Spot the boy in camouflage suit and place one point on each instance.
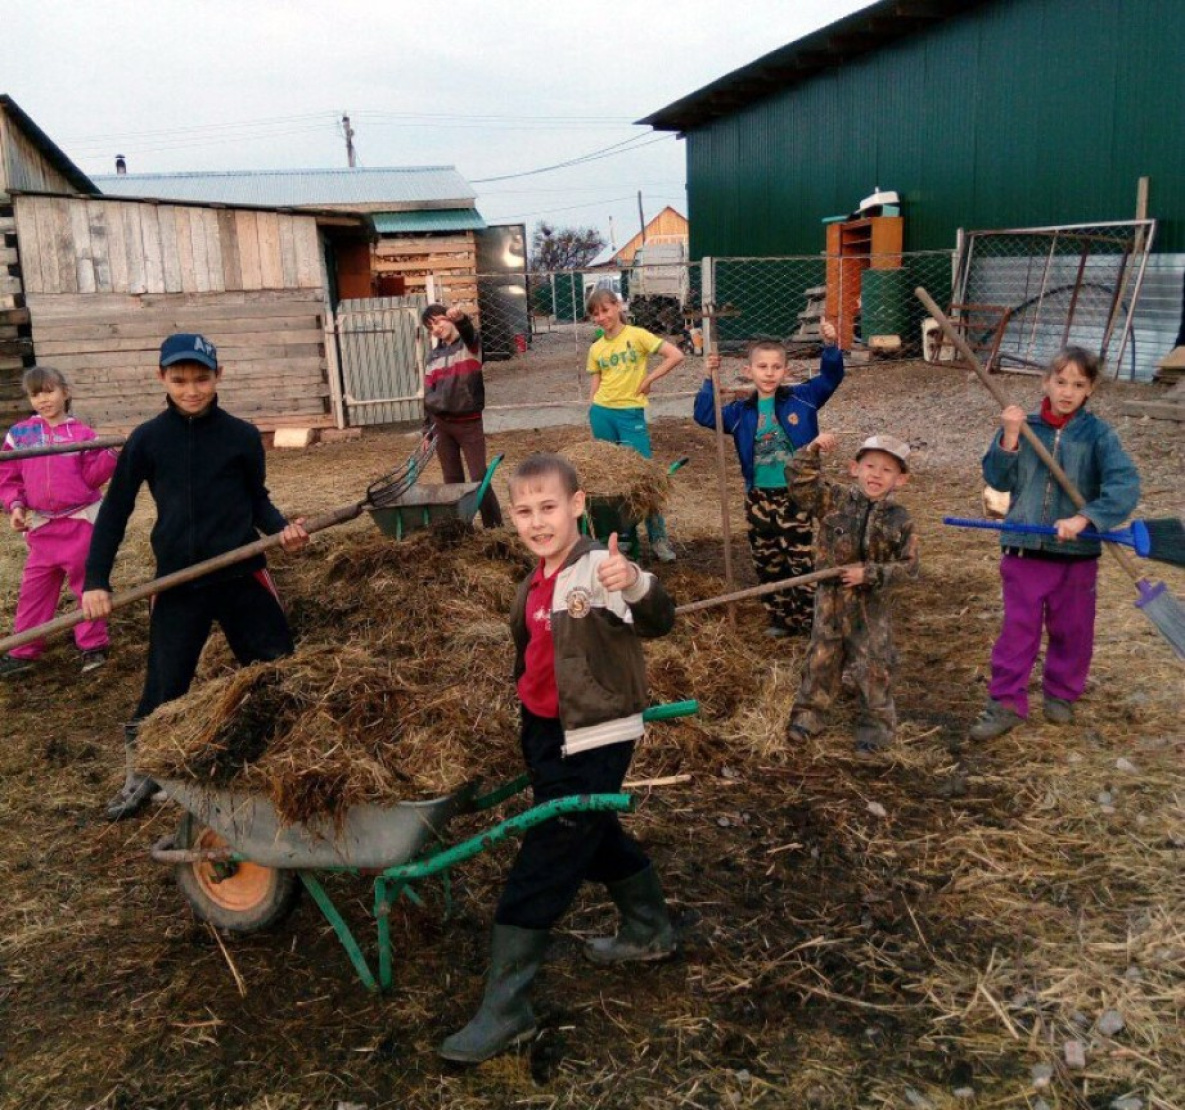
(862, 529)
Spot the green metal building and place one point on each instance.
(979, 113)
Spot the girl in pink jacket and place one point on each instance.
(53, 499)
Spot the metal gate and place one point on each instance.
(382, 359)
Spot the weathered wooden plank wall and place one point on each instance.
(106, 281)
(270, 344)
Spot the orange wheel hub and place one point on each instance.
(246, 887)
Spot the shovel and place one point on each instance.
(99, 443)
(1156, 603)
(380, 494)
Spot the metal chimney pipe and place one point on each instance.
(121, 164)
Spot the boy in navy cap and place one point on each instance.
(205, 470)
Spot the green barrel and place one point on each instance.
(884, 308)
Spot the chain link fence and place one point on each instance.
(1019, 295)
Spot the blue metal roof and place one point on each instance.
(389, 189)
(438, 219)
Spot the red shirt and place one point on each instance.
(536, 685)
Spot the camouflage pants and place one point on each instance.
(851, 630)
(780, 539)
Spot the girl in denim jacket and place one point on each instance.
(1049, 581)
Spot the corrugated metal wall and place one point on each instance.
(1021, 113)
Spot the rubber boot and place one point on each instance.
(136, 789)
(645, 932)
(505, 1017)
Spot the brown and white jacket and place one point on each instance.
(600, 671)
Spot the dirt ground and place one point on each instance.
(926, 927)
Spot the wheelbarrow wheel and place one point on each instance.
(241, 897)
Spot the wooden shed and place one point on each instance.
(105, 279)
(29, 159)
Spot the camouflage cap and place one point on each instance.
(891, 445)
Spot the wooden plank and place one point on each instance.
(308, 252)
(29, 244)
(288, 251)
(117, 248)
(47, 250)
(426, 244)
(170, 254)
(64, 244)
(96, 217)
(14, 317)
(184, 236)
(149, 324)
(9, 256)
(297, 356)
(80, 236)
(16, 348)
(1157, 410)
(228, 242)
(437, 266)
(154, 269)
(247, 231)
(208, 219)
(272, 302)
(48, 344)
(271, 266)
(199, 245)
(133, 240)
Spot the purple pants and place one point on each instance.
(57, 552)
(1059, 597)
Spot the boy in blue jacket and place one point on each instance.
(767, 427)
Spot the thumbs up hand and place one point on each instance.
(616, 572)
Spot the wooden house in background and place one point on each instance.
(669, 226)
(95, 282)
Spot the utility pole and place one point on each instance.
(348, 131)
(641, 218)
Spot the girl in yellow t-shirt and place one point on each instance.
(620, 390)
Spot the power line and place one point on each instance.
(592, 156)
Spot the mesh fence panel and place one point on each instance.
(1053, 286)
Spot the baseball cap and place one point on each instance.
(891, 445)
(188, 347)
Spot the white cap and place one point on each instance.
(891, 445)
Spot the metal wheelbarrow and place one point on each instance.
(423, 505)
(606, 515)
(241, 868)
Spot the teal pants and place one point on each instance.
(627, 427)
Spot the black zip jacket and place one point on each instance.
(206, 475)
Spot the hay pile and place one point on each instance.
(610, 471)
(401, 687)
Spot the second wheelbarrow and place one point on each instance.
(425, 505)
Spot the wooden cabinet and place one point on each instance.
(853, 247)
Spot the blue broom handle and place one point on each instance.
(1124, 536)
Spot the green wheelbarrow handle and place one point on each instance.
(516, 786)
(678, 464)
(487, 478)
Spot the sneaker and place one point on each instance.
(663, 551)
(994, 721)
(13, 665)
(777, 632)
(93, 660)
(1058, 711)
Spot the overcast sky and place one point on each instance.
(494, 87)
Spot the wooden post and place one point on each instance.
(1137, 250)
(711, 347)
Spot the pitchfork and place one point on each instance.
(382, 493)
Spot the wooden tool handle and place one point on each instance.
(1125, 560)
(179, 577)
(761, 591)
(99, 443)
